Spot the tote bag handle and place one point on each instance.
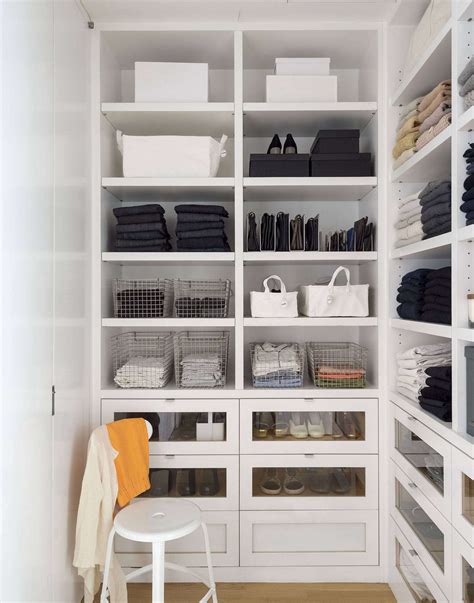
(330, 297)
(284, 301)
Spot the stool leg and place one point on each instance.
(209, 562)
(158, 576)
(105, 581)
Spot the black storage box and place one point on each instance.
(336, 141)
(267, 165)
(341, 164)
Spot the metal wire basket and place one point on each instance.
(200, 359)
(142, 360)
(201, 299)
(337, 365)
(277, 365)
(147, 298)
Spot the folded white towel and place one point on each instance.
(410, 231)
(409, 198)
(407, 393)
(428, 350)
(410, 241)
(142, 372)
(408, 207)
(406, 222)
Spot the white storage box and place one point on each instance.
(170, 156)
(265, 304)
(302, 66)
(171, 82)
(301, 88)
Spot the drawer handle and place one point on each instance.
(412, 485)
(309, 399)
(169, 400)
(309, 455)
(410, 418)
(413, 553)
(169, 456)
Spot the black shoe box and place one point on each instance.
(267, 165)
(341, 164)
(336, 141)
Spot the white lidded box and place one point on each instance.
(171, 82)
(301, 88)
(302, 66)
(170, 156)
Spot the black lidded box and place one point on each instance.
(341, 164)
(268, 165)
(336, 141)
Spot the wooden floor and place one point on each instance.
(269, 593)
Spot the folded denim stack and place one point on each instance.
(467, 205)
(409, 228)
(466, 83)
(277, 365)
(201, 228)
(141, 228)
(411, 294)
(408, 131)
(435, 201)
(437, 297)
(417, 364)
(434, 113)
(436, 396)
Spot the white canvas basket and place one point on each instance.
(265, 304)
(170, 156)
(330, 300)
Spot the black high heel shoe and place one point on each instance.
(275, 146)
(289, 147)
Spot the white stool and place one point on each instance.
(157, 521)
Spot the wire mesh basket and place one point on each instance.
(142, 360)
(201, 299)
(337, 365)
(200, 359)
(147, 298)
(277, 364)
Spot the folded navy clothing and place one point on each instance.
(128, 244)
(158, 226)
(439, 384)
(440, 372)
(470, 168)
(433, 201)
(444, 272)
(203, 244)
(190, 226)
(417, 290)
(470, 215)
(440, 281)
(433, 393)
(141, 219)
(467, 206)
(444, 413)
(142, 236)
(468, 183)
(435, 188)
(420, 274)
(152, 208)
(440, 209)
(438, 316)
(201, 209)
(184, 219)
(410, 311)
(162, 247)
(469, 222)
(410, 296)
(436, 308)
(469, 152)
(204, 233)
(468, 195)
(440, 300)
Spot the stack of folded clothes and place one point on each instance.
(202, 370)
(143, 372)
(434, 113)
(408, 130)
(409, 228)
(411, 294)
(141, 228)
(437, 297)
(467, 205)
(466, 82)
(436, 396)
(277, 365)
(435, 201)
(201, 228)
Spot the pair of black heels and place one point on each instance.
(289, 148)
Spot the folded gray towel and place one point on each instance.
(436, 210)
(468, 86)
(466, 72)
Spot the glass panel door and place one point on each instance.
(418, 588)
(188, 482)
(468, 582)
(468, 498)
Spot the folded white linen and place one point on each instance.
(407, 393)
(426, 362)
(408, 207)
(409, 198)
(414, 389)
(142, 372)
(406, 222)
(270, 358)
(428, 350)
(410, 231)
(405, 242)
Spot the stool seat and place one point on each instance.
(157, 520)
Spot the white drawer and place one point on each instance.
(424, 456)
(172, 475)
(334, 481)
(177, 424)
(223, 527)
(463, 570)
(409, 578)
(463, 495)
(424, 525)
(302, 538)
(349, 426)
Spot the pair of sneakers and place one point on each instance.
(272, 484)
(304, 424)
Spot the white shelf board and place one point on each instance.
(433, 66)
(427, 328)
(432, 162)
(304, 321)
(171, 119)
(304, 119)
(466, 120)
(435, 248)
(466, 334)
(170, 189)
(295, 257)
(464, 442)
(167, 258)
(168, 322)
(308, 189)
(466, 233)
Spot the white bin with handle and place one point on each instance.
(321, 301)
(265, 304)
(170, 156)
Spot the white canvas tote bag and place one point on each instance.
(331, 300)
(265, 304)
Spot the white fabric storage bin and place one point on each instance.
(170, 156)
(301, 88)
(302, 66)
(171, 82)
(323, 301)
(265, 304)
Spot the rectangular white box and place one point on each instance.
(302, 66)
(301, 88)
(171, 82)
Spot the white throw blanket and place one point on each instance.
(144, 372)
(270, 358)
